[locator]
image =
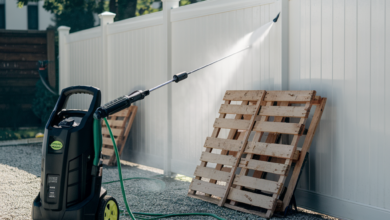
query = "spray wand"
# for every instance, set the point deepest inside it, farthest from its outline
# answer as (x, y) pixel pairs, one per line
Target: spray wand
(125, 101)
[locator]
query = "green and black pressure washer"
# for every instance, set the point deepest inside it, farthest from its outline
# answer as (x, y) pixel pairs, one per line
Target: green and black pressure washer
(71, 172)
(70, 181)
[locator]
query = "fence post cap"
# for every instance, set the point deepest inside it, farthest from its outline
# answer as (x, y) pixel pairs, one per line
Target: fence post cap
(107, 14)
(63, 28)
(170, 0)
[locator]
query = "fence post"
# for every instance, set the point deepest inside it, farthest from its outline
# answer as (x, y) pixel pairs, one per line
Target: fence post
(168, 5)
(63, 75)
(105, 19)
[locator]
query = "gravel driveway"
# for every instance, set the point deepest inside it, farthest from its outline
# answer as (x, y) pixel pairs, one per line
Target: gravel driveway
(20, 178)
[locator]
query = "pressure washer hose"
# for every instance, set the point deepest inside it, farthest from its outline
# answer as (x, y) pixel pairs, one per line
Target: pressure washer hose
(98, 144)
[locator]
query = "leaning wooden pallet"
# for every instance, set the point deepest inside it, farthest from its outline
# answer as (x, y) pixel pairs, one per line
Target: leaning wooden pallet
(209, 183)
(259, 191)
(120, 124)
(254, 193)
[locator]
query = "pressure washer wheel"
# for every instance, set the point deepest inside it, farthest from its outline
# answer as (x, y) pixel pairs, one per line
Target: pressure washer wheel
(108, 209)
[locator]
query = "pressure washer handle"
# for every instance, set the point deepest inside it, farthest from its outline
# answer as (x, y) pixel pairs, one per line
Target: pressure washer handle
(119, 104)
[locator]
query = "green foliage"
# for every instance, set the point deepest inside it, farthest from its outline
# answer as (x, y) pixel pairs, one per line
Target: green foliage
(7, 134)
(145, 7)
(187, 2)
(43, 103)
(77, 14)
(124, 9)
(15, 134)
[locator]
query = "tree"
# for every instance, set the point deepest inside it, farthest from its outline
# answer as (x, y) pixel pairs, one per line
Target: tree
(77, 14)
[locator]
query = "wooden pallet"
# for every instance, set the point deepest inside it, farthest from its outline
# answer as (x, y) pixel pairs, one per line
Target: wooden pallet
(120, 124)
(210, 184)
(253, 192)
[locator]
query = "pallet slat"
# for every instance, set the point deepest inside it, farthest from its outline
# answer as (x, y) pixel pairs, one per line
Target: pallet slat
(284, 111)
(231, 124)
(287, 96)
(114, 123)
(115, 131)
(261, 184)
(217, 158)
(264, 166)
(209, 188)
(272, 150)
(278, 127)
(251, 198)
(238, 109)
(108, 141)
(212, 173)
(107, 151)
(243, 95)
(224, 144)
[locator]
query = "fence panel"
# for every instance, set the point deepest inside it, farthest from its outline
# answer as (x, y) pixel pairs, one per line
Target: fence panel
(84, 56)
(136, 63)
(340, 49)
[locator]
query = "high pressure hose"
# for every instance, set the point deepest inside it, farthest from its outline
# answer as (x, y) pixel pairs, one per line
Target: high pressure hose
(97, 141)
(98, 144)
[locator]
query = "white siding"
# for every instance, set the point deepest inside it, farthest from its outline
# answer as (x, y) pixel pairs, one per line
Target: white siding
(45, 17)
(16, 18)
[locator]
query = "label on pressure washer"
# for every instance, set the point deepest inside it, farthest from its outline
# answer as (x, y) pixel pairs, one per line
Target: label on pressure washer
(56, 145)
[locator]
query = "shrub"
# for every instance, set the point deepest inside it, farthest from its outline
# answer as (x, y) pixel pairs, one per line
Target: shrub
(43, 103)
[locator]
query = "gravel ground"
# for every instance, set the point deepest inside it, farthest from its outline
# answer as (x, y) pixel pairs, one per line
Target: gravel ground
(19, 184)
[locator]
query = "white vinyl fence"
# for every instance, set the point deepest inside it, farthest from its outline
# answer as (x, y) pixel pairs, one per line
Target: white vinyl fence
(140, 53)
(340, 48)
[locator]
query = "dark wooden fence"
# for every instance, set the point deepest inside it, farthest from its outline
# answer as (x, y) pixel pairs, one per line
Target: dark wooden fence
(19, 53)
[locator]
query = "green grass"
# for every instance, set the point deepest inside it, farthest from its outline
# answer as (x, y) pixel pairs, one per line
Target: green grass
(22, 133)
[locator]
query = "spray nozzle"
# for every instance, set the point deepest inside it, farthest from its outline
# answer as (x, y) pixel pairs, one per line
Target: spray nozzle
(276, 18)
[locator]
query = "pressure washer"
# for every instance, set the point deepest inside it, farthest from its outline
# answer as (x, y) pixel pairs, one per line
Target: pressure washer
(71, 171)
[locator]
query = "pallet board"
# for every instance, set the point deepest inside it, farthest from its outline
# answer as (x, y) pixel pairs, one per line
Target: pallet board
(120, 124)
(210, 183)
(254, 192)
